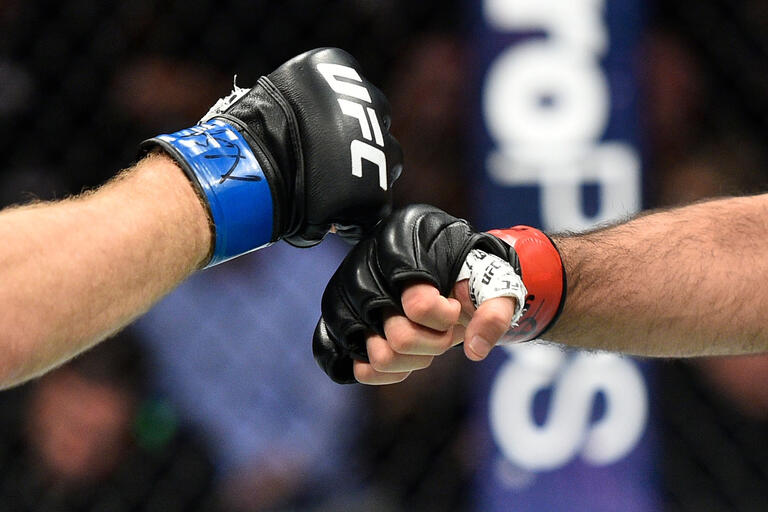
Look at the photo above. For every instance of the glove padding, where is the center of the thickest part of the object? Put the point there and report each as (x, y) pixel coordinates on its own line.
(417, 243)
(322, 191)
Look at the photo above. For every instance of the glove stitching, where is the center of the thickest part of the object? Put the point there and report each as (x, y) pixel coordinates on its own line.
(383, 287)
(299, 207)
(445, 287)
(384, 293)
(358, 322)
(415, 242)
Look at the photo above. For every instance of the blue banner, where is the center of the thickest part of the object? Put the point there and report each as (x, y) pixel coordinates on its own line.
(555, 145)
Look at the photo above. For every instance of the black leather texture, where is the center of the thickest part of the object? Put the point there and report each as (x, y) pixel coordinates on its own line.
(417, 243)
(293, 121)
(293, 115)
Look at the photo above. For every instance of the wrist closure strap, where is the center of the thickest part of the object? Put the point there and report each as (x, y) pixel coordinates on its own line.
(544, 277)
(223, 167)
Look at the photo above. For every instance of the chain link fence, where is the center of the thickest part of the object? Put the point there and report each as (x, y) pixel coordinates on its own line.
(81, 83)
(707, 97)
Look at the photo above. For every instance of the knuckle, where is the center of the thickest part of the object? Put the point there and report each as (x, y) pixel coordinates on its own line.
(400, 334)
(497, 320)
(418, 308)
(402, 343)
(381, 358)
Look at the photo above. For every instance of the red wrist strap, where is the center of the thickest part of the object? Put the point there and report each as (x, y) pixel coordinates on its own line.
(544, 277)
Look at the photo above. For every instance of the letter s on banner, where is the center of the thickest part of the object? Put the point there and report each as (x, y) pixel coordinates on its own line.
(567, 431)
(558, 144)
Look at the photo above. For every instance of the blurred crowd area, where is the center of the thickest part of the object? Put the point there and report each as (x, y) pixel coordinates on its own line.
(706, 119)
(213, 401)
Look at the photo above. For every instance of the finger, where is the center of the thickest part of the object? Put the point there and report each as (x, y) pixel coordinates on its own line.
(458, 335)
(489, 323)
(366, 374)
(423, 304)
(461, 293)
(385, 360)
(407, 337)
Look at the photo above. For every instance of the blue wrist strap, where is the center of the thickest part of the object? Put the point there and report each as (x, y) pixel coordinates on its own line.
(232, 181)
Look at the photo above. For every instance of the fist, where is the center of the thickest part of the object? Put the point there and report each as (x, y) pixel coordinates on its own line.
(419, 244)
(336, 160)
(306, 148)
(395, 303)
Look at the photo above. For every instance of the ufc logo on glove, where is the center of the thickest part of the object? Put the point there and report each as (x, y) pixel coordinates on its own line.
(365, 115)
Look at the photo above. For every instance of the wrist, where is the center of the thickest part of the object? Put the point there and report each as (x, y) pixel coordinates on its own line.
(544, 277)
(183, 219)
(231, 181)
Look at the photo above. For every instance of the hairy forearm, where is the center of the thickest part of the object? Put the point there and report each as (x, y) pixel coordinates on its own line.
(75, 271)
(684, 282)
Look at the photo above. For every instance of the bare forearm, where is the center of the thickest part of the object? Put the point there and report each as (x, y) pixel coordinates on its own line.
(684, 282)
(75, 271)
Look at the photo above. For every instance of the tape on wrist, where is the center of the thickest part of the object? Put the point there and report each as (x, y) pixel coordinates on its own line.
(543, 274)
(221, 163)
(491, 277)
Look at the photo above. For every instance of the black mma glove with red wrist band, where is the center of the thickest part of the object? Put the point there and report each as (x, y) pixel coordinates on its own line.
(424, 243)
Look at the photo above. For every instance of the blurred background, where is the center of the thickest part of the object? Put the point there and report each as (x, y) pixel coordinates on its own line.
(200, 407)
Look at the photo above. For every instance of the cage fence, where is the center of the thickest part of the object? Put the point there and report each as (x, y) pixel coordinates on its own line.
(82, 82)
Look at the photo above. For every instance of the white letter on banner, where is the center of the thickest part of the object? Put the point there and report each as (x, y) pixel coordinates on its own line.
(567, 430)
(576, 23)
(546, 104)
(614, 167)
(545, 95)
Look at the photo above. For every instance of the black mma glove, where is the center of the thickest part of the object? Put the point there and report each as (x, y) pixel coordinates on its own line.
(306, 148)
(417, 243)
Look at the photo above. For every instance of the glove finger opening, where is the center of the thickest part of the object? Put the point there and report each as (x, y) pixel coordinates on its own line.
(330, 356)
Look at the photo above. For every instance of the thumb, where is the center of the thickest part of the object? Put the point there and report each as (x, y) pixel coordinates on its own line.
(489, 323)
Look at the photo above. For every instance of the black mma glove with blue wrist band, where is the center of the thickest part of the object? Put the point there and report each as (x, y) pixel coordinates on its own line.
(306, 148)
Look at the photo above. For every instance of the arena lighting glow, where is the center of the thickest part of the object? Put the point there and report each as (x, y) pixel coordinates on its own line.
(556, 122)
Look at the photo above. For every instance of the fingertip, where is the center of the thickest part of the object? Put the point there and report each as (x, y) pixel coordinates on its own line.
(454, 302)
(423, 304)
(470, 354)
(458, 334)
(366, 374)
(489, 323)
(455, 310)
(478, 348)
(461, 293)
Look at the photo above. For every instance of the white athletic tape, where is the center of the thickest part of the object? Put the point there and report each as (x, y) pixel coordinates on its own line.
(227, 101)
(490, 277)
